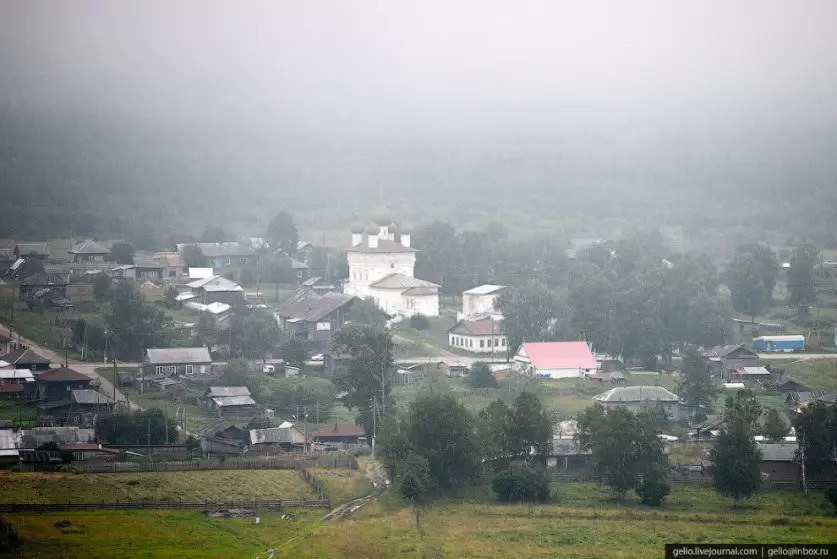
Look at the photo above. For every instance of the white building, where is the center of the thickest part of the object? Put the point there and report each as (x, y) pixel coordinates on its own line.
(383, 268)
(482, 336)
(555, 359)
(480, 302)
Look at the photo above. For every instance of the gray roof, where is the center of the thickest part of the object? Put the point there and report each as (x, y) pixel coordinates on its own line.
(90, 397)
(146, 261)
(384, 245)
(229, 401)
(224, 391)
(213, 250)
(484, 289)
(566, 447)
(724, 350)
(9, 439)
(753, 371)
(215, 428)
(312, 307)
(88, 247)
(804, 397)
(637, 394)
(287, 435)
(401, 281)
(178, 355)
(778, 452)
(30, 249)
(66, 435)
(24, 356)
(220, 283)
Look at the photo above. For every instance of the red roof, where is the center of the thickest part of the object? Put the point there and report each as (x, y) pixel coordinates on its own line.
(62, 374)
(341, 430)
(559, 355)
(10, 388)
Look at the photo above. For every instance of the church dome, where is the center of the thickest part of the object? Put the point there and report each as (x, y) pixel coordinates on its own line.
(356, 228)
(372, 229)
(382, 215)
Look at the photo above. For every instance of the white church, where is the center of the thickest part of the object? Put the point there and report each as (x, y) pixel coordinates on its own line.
(382, 266)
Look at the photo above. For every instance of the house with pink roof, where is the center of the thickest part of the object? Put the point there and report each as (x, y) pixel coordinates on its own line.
(555, 359)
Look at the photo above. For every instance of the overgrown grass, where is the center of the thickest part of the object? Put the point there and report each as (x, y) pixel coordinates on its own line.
(342, 485)
(817, 373)
(159, 486)
(147, 534)
(16, 410)
(196, 417)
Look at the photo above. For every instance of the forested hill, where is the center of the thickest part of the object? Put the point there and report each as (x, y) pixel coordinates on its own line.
(69, 173)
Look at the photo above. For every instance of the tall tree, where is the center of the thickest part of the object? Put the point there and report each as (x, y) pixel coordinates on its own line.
(438, 257)
(774, 428)
(696, 386)
(282, 233)
(102, 287)
(134, 324)
(122, 253)
(749, 294)
(367, 312)
(735, 455)
(816, 429)
(534, 314)
(481, 376)
(260, 336)
(414, 483)
(370, 372)
(708, 320)
(592, 304)
(767, 263)
(295, 352)
(133, 428)
(193, 257)
(801, 275)
(530, 429)
(214, 234)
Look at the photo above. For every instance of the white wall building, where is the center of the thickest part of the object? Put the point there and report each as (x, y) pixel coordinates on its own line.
(383, 268)
(479, 302)
(555, 359)
(484, 336)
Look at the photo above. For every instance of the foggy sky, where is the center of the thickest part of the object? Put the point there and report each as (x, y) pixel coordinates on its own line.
(461, 66)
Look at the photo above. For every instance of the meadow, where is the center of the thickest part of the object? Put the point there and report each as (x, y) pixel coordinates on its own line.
(20, 487)
(343, 485)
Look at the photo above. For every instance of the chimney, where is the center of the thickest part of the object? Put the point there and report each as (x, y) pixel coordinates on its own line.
(373, 241)
(405, 239)
(357, 238)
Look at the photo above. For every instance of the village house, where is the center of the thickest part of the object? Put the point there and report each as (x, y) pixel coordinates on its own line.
(217, 289)
(349, 433)
(480, 301)
(299, 270)
(318, 285)
(483, 336)
(283, 438)
(7, 345)
(32, 251)
(383, 268)
(748, 374)
(58, 383)
(177, 361)
(143, 268)
(334, 363)
(555, 359)
(79, 407)
(792, 385)
(313, 317)
(37, 436)
(25, 358)
(43, 287)
(173, 267)
(230, 401)
(638, 398)
(88, 251)
(218, 312)
(724, 359)
(223, 254)
(223, 438)
(15, 383)
(304, 249)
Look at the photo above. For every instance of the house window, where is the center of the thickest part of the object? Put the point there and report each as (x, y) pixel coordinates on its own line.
(502, 342)
(171, 369)
(471, 343)
(496, 342)
(482, 343)
(229, 260)
(392, 266)
(299, 274)
(489, 342)
(159, 370)
(188, 369)
(172, 273)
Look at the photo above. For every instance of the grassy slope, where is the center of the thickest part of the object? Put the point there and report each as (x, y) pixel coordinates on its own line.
(16, 410)
(583, 524)
(196, 417)
(343, 485)
(147, 534)
(166, 486)
(816, 373)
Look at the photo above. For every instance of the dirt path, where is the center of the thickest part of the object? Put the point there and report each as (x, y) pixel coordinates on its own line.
(374, 472)
(88, 369)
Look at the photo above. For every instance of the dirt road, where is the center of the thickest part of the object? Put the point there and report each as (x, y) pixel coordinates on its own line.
(374, 472)
(89, 369)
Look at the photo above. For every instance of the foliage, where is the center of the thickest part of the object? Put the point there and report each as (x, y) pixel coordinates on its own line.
(282, 233)
(801, 275)
(816, 430)
(366, 312)
(102, 287)
(134, 324)
(520, 432)
(287, 395)
(767, 264)
(193, 257)
(696, 387)
(735, 456)
(370, 372)
(481, 376)
(122, 253)
(263, 422)
(170, 297)
(259, 337)
(295, 352)
(133, 428)
(214, 234)
(236, 373)
(534, 314)
(749, 294)
(414, 482)
(66, 455)
(88, 335)
(626, 450)
(521, 482)
(419, 322)
(774, 429)
(653, 488)
(831, 495)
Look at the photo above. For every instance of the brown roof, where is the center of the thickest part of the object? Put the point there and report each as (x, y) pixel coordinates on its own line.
(341, 430)
(62, 374)
(384, 245)
(484, 327)
(10, 388)
(170, 259)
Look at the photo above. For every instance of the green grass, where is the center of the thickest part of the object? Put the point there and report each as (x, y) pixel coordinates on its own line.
(436, 335)
(582, 523)
(817, 373)
(153, 534)
(40, 328)
(15, 410)
(342, 485)
(20, 487)
(196, 417)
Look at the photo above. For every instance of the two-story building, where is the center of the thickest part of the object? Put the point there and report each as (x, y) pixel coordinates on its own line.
(480, 302)
(58, 383)
(314, 317)
(223, 254)
(479, 336)
(31, 251)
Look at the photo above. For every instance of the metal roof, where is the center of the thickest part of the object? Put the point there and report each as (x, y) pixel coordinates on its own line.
(228, 391)
(557, 355)
(724, 350)
(637, 394)
(10, 439)
(39, 435)
(286, 435)
(88, 247)
(753, 371)
(8, 374)
(63, 374)
(312, 307)
(178, 355)
(24, 356)
(484, 327)
(228, 401)
(778, 452)
(401, 281)
(220, 283)
(90, 397)
(32, 249)
(484, 289)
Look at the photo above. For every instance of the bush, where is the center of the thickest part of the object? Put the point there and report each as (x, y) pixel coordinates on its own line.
(10, 539)
(419, 322)
(831, 495)
(521, 482)
(481, 376)
(653, 490)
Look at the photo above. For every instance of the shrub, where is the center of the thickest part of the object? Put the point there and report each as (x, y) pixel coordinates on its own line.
(419, 322)
(481, 376)
(831, 495)
(653, 490)
(521, 482)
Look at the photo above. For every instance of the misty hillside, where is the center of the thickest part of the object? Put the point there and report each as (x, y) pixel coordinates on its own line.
(68, 173)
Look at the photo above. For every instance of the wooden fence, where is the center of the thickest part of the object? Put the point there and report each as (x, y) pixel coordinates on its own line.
(275, 463)
(131, 505)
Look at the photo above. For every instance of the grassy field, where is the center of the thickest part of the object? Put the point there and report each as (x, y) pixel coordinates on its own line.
(152, 534)
(15, 410)
(816, 373)
(162, 486)
(583, 523)
(343, 485)
(196, 418)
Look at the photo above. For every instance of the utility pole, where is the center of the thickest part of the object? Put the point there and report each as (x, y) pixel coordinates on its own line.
(114, 381)
(374, 422)
(305, 448)
(166, 420)
(148, 440)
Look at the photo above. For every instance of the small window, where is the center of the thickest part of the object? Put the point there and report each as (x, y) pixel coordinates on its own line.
(392, 265)
(172, 273)
(172, 369)
(159, 370)
(188, 369)
(482, 343)
(489, 342)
